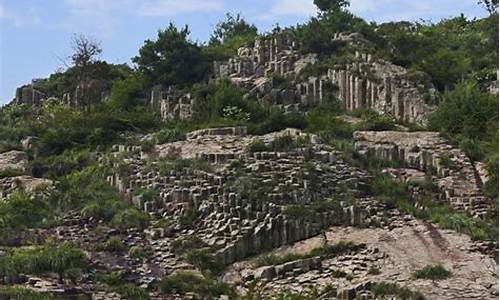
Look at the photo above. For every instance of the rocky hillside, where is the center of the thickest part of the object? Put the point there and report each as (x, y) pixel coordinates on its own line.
(337, 159)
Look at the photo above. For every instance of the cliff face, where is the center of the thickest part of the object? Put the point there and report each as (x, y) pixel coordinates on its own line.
(364, 83)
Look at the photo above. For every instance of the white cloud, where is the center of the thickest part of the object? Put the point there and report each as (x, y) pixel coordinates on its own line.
(27, 17)
(283, 8)
(172, 7)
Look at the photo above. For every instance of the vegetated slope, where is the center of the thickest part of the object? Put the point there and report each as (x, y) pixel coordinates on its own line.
(106, 192)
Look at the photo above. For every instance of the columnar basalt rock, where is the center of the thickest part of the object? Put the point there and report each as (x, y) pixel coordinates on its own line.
(29, 95)
(241, 204)
(365, 82)
(383, 87)
(456, 176)
(171, 103)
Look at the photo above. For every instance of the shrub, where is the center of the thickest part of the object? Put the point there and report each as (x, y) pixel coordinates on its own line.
(185, 282)
(130, 218)
(114, 244)
(466, 111)
(432, 272)
(136, 252)
(446, 161)
(22, 211)
(377, 122)
(183, 244)
(339, 274)
(111, 279)
(9, 172)
(204, 260)
(63, 259)
(132, 292)
(127, 93)
(19, 293)
(385, 289)
(168, 136)
(374, 270)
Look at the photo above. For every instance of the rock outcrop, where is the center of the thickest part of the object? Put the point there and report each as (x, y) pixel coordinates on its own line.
(365, 82)
(455, 174)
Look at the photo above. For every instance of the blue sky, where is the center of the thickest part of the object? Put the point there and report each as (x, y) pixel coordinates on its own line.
(35, 34)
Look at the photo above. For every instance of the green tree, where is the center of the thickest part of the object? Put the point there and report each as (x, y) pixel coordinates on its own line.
(228, 36)
(465, 111)
(490, 5)
(233, 26)
(172, 59)
(331, 5)
(126, 93)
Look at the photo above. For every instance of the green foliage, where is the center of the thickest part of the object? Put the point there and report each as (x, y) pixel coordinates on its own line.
(130, 218)
(375, 121)
(316, 36)
(112, 279)
(374, 270)
(168, 136)
(465, 111)
(448, 51)
(395, 194)
(10, 172)
(331, 5)
(66, 81)
(184, 244)
(229, 35)
(18, 293)
(185, 282)
(204, 260)
(172, 59)
(432, 272)
(276, 120)
(470, 118)
(21, 211)
(113, 244)
(136, 252)
(61, 258)
(387, 289)
(127, 93)
(132, 292)
(60, 128)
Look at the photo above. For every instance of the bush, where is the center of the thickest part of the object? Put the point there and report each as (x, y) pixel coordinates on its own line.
(184, 244)
(168, 136)
(136, 252)
(465, 111)
(127, 93)
(185, 282)
(132, 292)
(18, 293)
(111, 279)
(9, 172)
(375, 121)
(385, 289)
(130, 218)
(204, 260)
(22, 211)
(113, 244)
(374, 270)
(63, 259)
(432, 272)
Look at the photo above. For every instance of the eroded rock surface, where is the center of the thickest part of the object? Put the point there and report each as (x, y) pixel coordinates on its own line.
(455, 175)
